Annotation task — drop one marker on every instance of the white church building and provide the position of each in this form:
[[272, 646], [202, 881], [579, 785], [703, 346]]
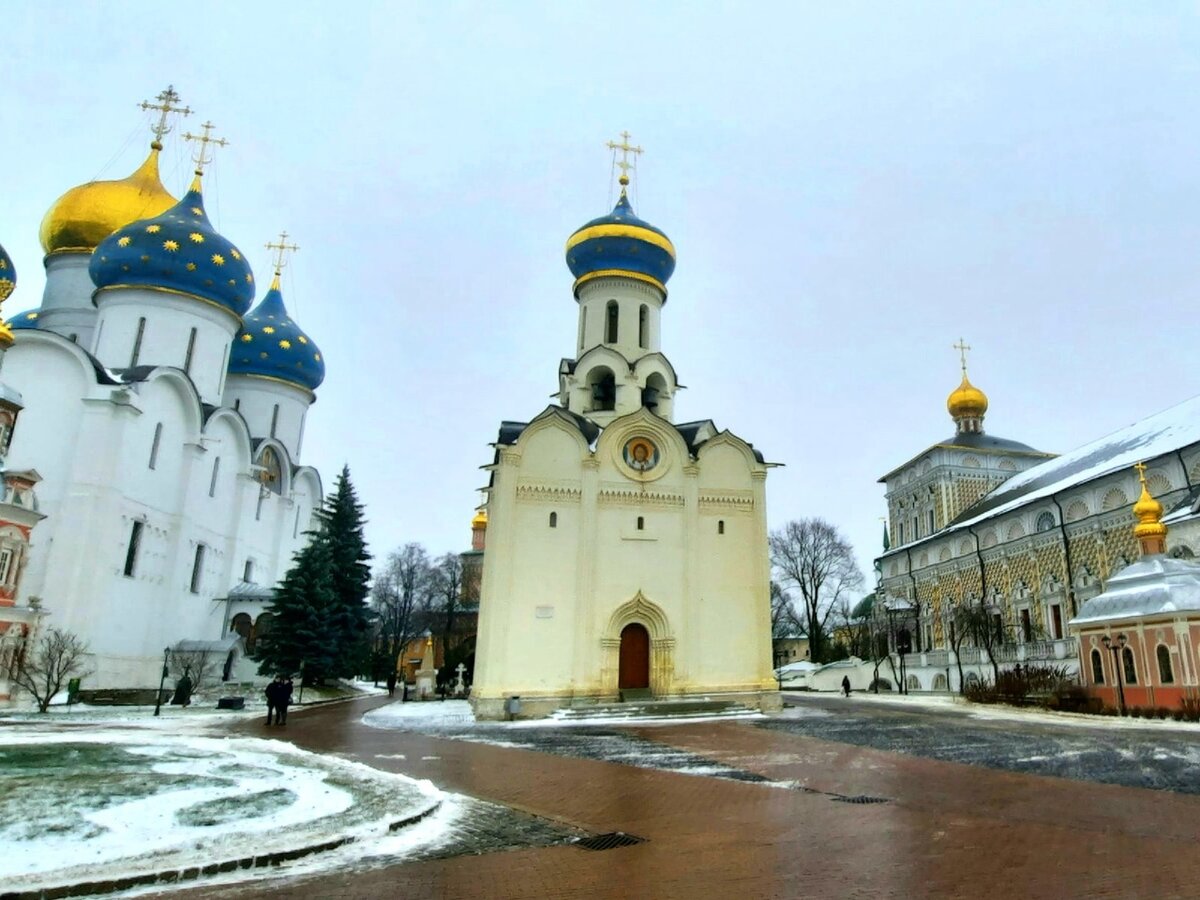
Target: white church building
[[165, 416], [627, 553]]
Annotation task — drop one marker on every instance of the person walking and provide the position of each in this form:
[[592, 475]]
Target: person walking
[[285, 700], [272, 693], [391, 684], [846, 685]]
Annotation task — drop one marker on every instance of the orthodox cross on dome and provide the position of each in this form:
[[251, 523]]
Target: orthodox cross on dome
[[203, 156], [962, 347], [1141, 470], [624, 164], [281, 251], [166, 106]]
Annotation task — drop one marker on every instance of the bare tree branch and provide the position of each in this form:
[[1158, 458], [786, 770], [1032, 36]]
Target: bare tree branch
[[811, 556], [43, 667]]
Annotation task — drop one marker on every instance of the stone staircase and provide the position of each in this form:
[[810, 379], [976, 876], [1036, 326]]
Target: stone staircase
[[656, 709]]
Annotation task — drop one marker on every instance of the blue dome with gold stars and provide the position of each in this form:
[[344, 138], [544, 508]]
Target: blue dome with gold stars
[[180, 252], [27, 319], [621, 244], [8, 275], [271, 345]]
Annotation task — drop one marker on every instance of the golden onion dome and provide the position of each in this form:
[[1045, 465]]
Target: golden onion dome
[[85, 215], [1148, 513], [480, 520], [967, 401]]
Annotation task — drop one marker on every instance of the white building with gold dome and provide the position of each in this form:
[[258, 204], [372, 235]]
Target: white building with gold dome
[[1029, 536], [165, 417], [626, 552]]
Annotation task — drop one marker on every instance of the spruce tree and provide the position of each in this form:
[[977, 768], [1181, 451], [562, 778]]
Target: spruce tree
[[304, 604], [320, 610], [342, 524]]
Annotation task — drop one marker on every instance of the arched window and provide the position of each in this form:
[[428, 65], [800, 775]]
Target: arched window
[[1130, 669], [241, 624], [137, 342], [553, 520], [274, 419], [720, 526], [604, 389], [613, 315], [1097, 667], [154, 445], [641, 523], [644, 327], [191, 351], [654, 391], [1165, 675], [212, 482], [582, 327], [1045, 521]]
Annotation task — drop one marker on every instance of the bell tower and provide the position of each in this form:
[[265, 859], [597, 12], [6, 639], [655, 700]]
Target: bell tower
[[621, 266]]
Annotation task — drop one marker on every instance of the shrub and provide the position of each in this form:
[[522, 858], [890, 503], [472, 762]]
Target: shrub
[[1164, 712], [1136, 712], [1191, 708]]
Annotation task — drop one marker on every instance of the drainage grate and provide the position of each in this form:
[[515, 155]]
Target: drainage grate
[[609, 841], [861, 798]]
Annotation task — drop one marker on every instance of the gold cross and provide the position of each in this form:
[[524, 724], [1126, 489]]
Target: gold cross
[[165, 106], [1141, 470], [626, 148], [282, 249], [962, 349], [203, 157]]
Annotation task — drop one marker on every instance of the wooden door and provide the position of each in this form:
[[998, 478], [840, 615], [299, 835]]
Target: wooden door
[[635, 657]]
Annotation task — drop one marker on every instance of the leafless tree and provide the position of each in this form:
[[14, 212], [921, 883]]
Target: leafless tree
[[400, 597], [446, 582], [197, 665], [784, 621], [44, 666], [811, 556]]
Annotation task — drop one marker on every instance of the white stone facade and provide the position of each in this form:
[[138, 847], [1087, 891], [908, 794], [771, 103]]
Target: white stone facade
[[624, 552], [159, 496]]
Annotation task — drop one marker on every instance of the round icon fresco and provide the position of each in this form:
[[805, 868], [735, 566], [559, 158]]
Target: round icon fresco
[[640, 454]]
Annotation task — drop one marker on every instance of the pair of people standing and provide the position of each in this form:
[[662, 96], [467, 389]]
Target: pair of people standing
[[279, 698]]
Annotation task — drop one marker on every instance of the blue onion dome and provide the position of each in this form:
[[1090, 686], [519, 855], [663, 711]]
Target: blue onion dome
[[621, 244], [271, 345], [8, 275], [26, 320], [177, 252]]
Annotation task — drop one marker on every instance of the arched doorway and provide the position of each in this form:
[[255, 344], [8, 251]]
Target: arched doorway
[[635, 658]]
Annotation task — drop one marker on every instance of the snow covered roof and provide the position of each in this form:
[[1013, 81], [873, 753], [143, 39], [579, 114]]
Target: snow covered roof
[[802, 666], [978, 441], [245, 590], [1154, 585], [220, 645], [1146, 439], [1155, 436]]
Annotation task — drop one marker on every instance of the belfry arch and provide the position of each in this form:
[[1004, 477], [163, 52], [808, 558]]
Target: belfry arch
[[640, 610]]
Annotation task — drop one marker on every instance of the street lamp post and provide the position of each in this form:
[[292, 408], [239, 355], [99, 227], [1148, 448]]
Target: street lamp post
[[161, 682], [1117, 647]]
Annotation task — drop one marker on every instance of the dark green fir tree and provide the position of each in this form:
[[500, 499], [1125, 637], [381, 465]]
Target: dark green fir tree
[[320, 609], [299, 639], [342, 524]]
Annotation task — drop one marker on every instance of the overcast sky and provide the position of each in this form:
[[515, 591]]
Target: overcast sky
[[849, 188]]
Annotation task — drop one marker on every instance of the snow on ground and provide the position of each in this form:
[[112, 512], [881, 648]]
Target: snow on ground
[[418, 714], [88, 805], [1000, 713], [201, 715], [453, 714]]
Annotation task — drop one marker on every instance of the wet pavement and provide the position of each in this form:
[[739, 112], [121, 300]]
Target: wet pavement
[[947, 828], [1156, 758]]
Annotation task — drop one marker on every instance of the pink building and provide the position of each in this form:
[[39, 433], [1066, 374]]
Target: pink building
[[1139, 639]]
